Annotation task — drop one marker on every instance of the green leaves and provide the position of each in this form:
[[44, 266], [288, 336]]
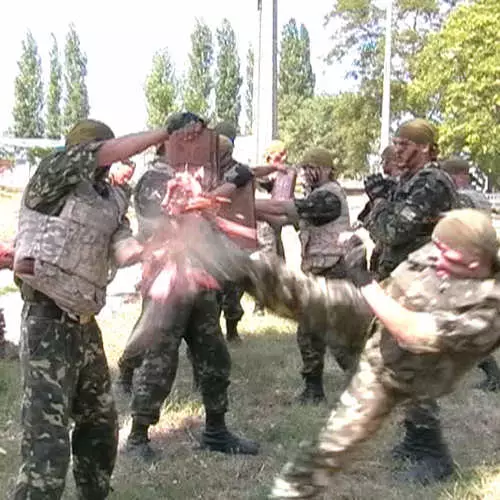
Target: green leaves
[[228, 79], [161, 90], [54, 94], [199, 82], [28, 92], [457, 78], [76, 106]]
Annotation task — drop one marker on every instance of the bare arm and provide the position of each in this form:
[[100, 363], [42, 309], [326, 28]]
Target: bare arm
[[122, 148]]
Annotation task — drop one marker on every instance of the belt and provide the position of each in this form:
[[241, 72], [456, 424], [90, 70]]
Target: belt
[[51, 311]]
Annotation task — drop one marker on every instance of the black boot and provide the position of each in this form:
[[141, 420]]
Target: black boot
[[216, 437], [138, 443], [492, 371], [427, 453], [232, 331], [313, 392]]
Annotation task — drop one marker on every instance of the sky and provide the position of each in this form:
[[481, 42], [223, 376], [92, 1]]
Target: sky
[[120, 41]]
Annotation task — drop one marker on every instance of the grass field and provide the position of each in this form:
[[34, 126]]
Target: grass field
[[265, 380]]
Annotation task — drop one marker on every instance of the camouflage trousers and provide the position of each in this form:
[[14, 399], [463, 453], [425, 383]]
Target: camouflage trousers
[[312, 343], [196, 320], [65, 376], [230, 301], [362, 409]]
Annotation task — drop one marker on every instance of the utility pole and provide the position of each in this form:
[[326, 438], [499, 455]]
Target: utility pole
[[265, 122], [386, 99]]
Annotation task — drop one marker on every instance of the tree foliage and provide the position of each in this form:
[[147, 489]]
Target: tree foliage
[[296, 76], [161, 90], [28, 92], [54, 94], [199, 83], [227, 76], [249, 90], [458, 83], [337, 123], [75, 75], [358, 36]]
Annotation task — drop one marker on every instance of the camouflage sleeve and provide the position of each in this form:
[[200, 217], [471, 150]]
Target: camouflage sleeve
[[59, 172], [319, 208], [476, 329], [289, 294], [396, 223]]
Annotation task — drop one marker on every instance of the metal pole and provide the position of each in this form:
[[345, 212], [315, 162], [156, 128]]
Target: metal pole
[[386, 99], [257, 83], [275, 72]]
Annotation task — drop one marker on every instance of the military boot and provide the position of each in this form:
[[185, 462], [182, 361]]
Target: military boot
[[216, 437], [427, 453], [313, 392], [232, 334], [138, 443], [492, 371]]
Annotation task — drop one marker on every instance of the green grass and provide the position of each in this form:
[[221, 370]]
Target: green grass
[[265, 380]]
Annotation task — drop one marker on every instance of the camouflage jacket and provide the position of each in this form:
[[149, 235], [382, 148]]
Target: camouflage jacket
[[405, 220], [465, 312]]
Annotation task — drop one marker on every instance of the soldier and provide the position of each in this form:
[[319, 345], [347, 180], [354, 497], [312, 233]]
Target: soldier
[[402, 220], [459, 171], [269, 235], [72, 232], [435, 318], [324, 225], [196, 320], [148, 195]]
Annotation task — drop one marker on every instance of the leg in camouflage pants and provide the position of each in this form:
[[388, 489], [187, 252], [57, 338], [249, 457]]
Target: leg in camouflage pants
[[196, 322], [230, 303], [361, 411], [312, 348], [65, 375]]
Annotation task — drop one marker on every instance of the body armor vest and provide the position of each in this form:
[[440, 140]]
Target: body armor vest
[[321, 245], [71, 251]]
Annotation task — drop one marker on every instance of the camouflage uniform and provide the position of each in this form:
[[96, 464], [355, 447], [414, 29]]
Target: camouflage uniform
[[323, 215], [471, 198], [196, 320], [401, 223], [466, 312], [148, 195], [65, 373]]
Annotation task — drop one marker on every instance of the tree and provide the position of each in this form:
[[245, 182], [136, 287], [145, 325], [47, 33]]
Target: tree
[[249, 90], [296, 76], [227, 77], [161, 90], [359, 36], [457, 83], [54, 94], [75, 73], [199, 82], [28, 92], [337, 123]]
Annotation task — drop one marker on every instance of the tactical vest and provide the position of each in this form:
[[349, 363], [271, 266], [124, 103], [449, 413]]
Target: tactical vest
[[470, 198], [321, 246], [71, 251], [392, 256]]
